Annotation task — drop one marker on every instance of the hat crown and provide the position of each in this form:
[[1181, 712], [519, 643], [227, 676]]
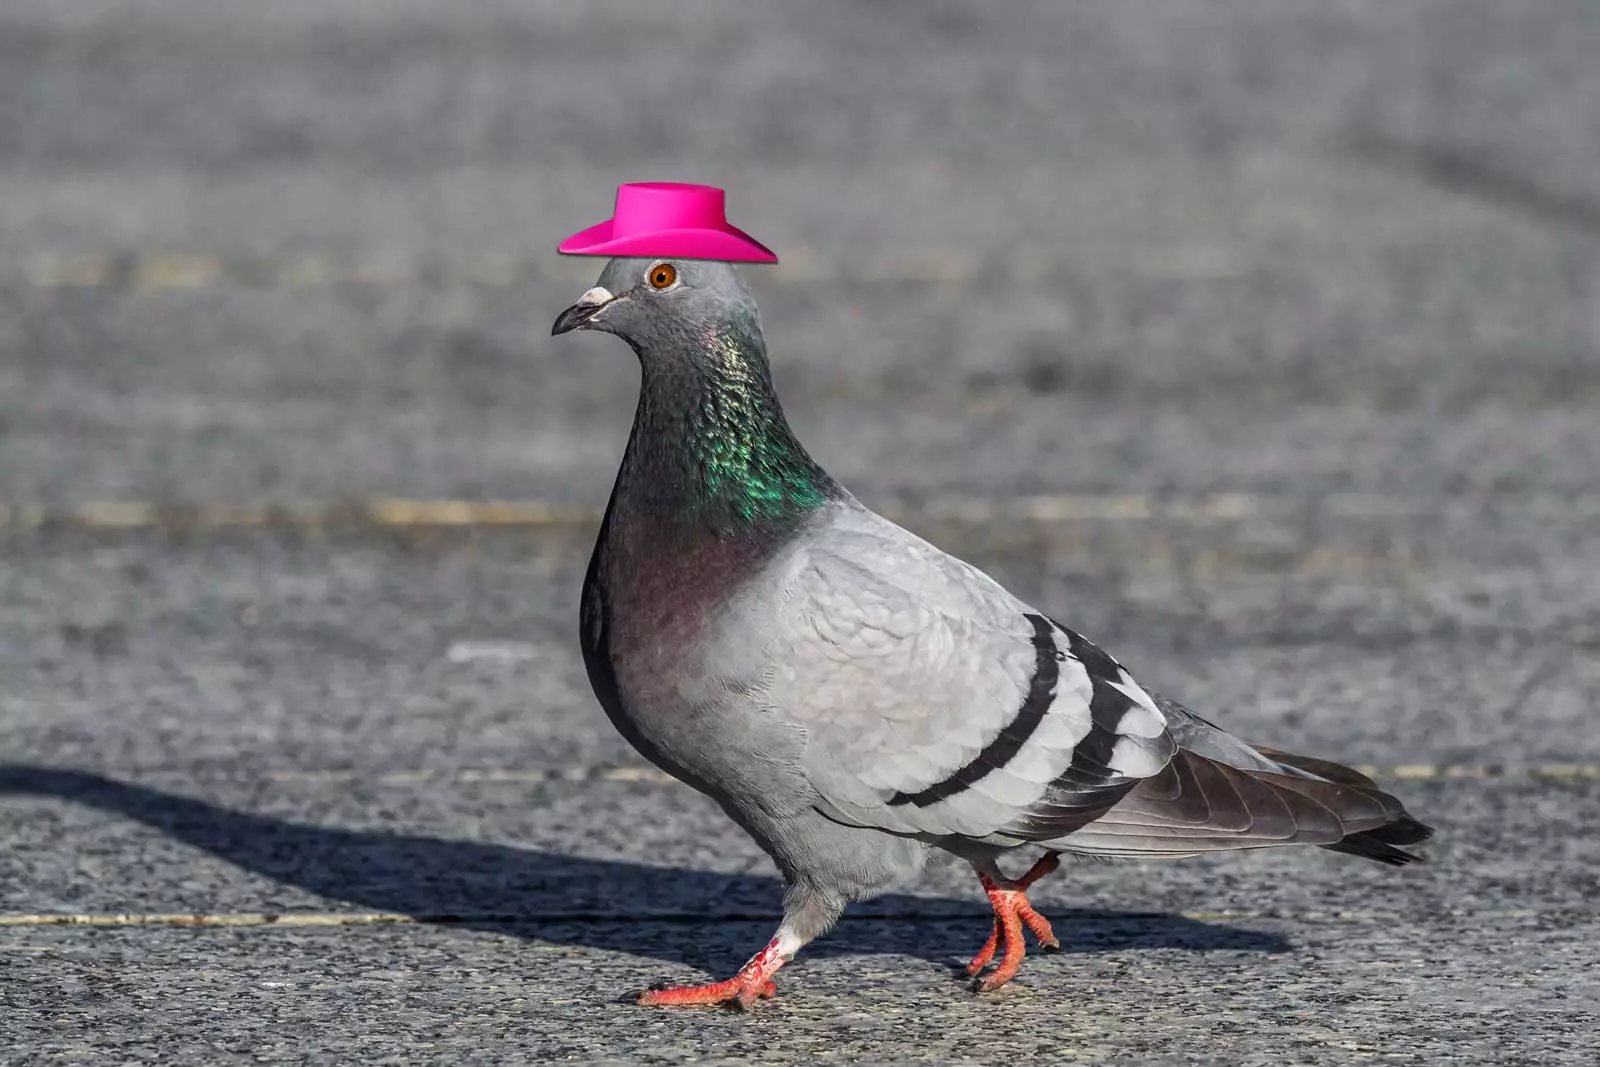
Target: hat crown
[[643, 207], [669, 219]]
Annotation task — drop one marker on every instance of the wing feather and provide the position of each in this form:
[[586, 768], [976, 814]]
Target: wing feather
[[938, 704]]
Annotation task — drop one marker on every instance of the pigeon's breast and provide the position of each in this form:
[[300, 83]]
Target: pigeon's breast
[[664, 616], [686, 651]]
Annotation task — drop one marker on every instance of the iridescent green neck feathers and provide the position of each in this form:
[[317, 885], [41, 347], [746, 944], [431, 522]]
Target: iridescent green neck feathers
[[710, 442]]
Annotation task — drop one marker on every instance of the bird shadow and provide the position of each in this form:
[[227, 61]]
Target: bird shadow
[[612, 905]]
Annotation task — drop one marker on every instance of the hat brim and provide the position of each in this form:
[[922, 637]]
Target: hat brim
[[729, 245]]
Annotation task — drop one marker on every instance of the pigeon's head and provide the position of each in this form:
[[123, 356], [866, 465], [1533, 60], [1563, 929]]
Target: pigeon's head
[[662, 304]]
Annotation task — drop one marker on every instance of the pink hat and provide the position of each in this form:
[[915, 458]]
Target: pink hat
[[668, 219]]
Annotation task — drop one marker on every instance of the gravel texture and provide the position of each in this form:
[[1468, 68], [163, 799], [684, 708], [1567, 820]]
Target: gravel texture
[[1256, 338]]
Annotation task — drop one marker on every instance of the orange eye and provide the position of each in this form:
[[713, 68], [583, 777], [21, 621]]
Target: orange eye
[[663, 275]]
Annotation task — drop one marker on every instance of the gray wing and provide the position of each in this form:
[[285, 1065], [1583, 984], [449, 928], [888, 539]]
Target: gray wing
[[936, 703]]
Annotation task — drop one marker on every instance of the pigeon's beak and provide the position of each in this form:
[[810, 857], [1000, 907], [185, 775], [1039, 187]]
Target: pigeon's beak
[[578, 315]]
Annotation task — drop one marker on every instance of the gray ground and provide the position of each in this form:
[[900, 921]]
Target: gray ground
[[1257, 338]]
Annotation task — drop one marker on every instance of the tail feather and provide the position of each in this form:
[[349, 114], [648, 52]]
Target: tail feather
[[1378, 842], [1374, 848], [1201, 804], [1402, 831]]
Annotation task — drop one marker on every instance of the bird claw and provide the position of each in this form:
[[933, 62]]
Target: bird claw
[[1011, 912], [989, 984], [741, 992]]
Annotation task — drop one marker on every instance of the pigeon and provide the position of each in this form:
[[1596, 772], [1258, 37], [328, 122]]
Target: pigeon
[[853, 697]]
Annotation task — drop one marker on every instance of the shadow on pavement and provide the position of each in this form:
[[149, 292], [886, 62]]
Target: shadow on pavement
[[569, 900]]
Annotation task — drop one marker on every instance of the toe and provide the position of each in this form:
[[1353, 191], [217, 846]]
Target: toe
[[986, 953], [684, 995]]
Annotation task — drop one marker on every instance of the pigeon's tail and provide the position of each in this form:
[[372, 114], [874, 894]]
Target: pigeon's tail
[[1377, 843], [1219, 793]]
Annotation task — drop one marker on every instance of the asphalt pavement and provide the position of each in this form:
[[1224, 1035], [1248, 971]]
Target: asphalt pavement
[[1258, 340]]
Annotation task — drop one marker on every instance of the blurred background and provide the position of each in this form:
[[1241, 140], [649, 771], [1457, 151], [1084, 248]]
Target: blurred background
[[1258, 339]]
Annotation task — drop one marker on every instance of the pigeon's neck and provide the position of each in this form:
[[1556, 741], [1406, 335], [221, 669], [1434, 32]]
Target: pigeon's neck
[[710, 447]]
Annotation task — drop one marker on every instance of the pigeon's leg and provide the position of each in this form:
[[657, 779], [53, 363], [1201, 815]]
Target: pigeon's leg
[[753, 981], [1011, 911], [808, 913]]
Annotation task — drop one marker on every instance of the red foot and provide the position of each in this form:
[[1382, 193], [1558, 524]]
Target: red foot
[[754, 981], [1011, 911]]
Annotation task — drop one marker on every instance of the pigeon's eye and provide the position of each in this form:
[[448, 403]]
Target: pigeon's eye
[[662, 275]]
